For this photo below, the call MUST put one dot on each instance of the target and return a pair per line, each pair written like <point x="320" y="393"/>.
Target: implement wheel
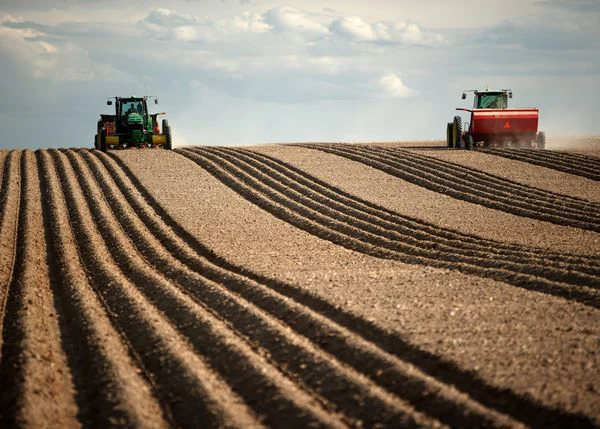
<point x="449" y="135"/>
<point x="541" y="140"/>
<point x="456" y="132"/>
<point x="468" y="141"/>
<point x="166" y="129"/>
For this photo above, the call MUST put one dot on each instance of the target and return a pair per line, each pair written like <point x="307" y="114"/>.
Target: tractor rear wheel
<point x="541" y="140"/>
<point x="166" y="129"/>
<point x="456" y="131"/>
<point x="468" y="141"/>
<point x="97" y="136"/>
<point x="449" y="135"/>
<point x="103" y="146"/>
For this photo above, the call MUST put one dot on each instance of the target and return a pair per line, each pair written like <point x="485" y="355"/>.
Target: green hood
<point x="134" y="118"/>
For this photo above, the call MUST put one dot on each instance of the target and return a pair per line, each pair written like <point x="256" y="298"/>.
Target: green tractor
<point x="132" y="126"/>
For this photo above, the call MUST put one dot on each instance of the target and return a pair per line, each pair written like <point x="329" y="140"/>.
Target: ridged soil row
<point x="459" y="185"/>
<point x="516" y="192"/>
<point x="316" y="319"/>
<point x="178" y="342"/>
<point x="307" y="362"/>
<point x="10" y="194"/>
<point x="339" y="228"/>
<point x="580" y="165"/>
<point x="428" y="235"/>
<point x="298" y="355"/>
<point x="198" y="292"/>
<point x="304" y="360"/>
<point x="111" y="386"/>
<point x="36" y="383"/>
<point x="512" y="188"/>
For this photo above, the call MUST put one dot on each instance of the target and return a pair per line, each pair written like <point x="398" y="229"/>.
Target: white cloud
<point x="247" y="22"/>
<point x="286" y="18"/>
<point x="357" y="29"/>
<point x="167" y="18"/>
<point x="392" y="85"/>
<point x="31" y="48"/>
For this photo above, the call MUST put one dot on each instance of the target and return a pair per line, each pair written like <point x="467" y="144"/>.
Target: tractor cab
<point x="130" y="113"/>
<point x="132" y="105"/>
<point x="490" y="99"/>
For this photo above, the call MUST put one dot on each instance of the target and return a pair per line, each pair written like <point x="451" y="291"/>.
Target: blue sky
<point x="234" y="72"/>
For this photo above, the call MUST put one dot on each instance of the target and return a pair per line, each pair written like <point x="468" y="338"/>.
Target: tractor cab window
<point x="491" y="101"/>
<point x="133" y="106"/>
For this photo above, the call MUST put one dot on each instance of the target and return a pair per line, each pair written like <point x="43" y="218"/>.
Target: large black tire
<point x="468" y="141"/>
<point x="103" y="145"/>
<point x="541" y="140"/>
<point x="456" y="132"/>
<point x="98" y="130"/>
<point x="166" y="129"/>
<point x="449" y="135"/>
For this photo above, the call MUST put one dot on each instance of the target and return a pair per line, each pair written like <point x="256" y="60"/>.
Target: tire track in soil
<point x="577" y="164"/>
<point x="182" y="380"/>
<point x="473" y="186"/>
<point x="325" y="223"/>
<point x="110" y="385"/>
<point x="36" y="387"/>
<point x="504" y="400"/>
<point x="359" y="398"/>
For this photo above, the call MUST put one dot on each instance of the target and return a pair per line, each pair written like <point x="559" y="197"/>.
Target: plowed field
<point x="307" y="285"/>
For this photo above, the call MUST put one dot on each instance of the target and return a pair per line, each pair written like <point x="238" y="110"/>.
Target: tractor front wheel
<point x="103" y="145"/>
<point x="541" y="140"/>
<point x="166" y="129"/>
<point x="456" y="132"/>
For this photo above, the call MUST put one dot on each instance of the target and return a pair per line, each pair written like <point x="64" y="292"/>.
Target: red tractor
<point x="494" y="124"/>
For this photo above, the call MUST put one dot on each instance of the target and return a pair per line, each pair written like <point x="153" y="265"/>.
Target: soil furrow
<point x="36" y="384"/>
<point x="482" y="184"/>
<point x="465" y="193"/>
<point x="521" y="407"/>
<point x="322" y="376"/>
<point x="182" y="381"/>
<point x="486" y="180"/>
<point x="308" y="196"/>
<point x="349" y="236"/>
<point x="233" y="346"/>
<point x="109" y="388"/>
<point x="565" y="158"/>
<point x="212" y="299"/>
<point x="10" y="193"/>
<point x="420" y="229"/>
<point x="574" y="167"/>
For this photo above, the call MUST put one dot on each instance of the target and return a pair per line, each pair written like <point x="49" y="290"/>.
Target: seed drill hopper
<point x="132" y="126"/>
<point x="493" y="123"/>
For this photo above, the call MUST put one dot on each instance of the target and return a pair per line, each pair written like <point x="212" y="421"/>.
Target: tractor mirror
<point x="109" y="103"/>
<point x="156" y="101"/>
<point x="464" y="96"/>
<point x="510" y="94"/>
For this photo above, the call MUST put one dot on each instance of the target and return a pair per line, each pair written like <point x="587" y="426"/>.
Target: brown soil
<point x="297" y="286"/>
